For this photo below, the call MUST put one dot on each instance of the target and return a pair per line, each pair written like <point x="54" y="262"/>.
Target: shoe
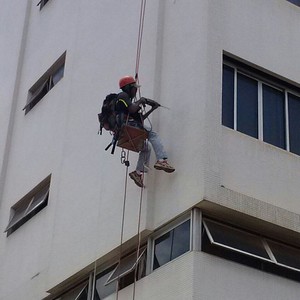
<point x="138" y="179"/>
<point x="163" y="165"/>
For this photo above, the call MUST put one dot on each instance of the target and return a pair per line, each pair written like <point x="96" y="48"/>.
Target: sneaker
<point x="163" y="165"/>
<point x="138" y="179"/>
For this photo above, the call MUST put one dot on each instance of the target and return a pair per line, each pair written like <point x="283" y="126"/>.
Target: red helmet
<point x="127" y="80"/>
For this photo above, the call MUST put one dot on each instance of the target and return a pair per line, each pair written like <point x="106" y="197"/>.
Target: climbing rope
<point x="140" y="38"/>
<point x="123" y="221"/>
<point x="125" y="160"/>
<point x="138" y="57"/>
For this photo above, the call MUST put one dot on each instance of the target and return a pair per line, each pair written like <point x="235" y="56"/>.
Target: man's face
<point x="133" y="91"/>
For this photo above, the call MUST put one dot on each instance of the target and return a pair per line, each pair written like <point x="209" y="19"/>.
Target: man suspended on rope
<point x="125" y="107"/>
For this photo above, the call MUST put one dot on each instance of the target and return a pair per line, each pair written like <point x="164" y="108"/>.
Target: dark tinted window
<point x="286" y="255"/>
<point x="274" y="116"/>
<point x="294" y="123"/>
<point x="235" y="239"/>
<point x="247" y="105"/>
<point x="172" y="244"/>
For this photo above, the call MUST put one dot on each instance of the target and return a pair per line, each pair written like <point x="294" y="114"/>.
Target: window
<point x="171" y="244"/>
<point x="102" y="289"/>
<point x="250" y="249"/>
<point x="260" y="105"/>
<point x="216" y="238"/>
<point x="29" y="206"/>
<point x="235" y="239"/>
<point x="45" y="83"/>
<point x="42" y="3"/>
<point x="128" y="267"/>
<point x="294" y="123"/>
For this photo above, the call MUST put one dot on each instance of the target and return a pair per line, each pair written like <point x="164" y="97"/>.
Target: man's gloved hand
<point x="152" y="103"/>
<point x="142" y="101"/>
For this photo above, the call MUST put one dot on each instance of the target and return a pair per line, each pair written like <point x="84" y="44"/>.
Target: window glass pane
<point x="274" y="116"/>
<point x="181" y="239"/>
<point x="39" y="198"/>
<point x="18" y="213"/>
<point x="29" y="206"/>
<point x="58" y="75"/>
<point x="126" y="265"/>
<point x="83" y="295"/>
<point x="235" y="239"/>
<point x="102" y="290"/>
<point x="37" y="95"/>
<point x="247" y="105"/>
<point x="162" y="249"/>
<point x="294" y="123"/>
<point x="286" y="255"/>
<point x="228" y="97"/>
<point x="172" y="244"/>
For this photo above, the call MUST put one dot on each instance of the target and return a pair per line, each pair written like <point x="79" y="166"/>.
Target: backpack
<point x="107" y="117"/>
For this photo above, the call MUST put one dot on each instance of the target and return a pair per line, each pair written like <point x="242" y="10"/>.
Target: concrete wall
<point x="181" y="67"/>
<point x="265" y="34"/>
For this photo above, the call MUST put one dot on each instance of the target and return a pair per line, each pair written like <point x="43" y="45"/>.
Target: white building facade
<point x="224" y="225"/>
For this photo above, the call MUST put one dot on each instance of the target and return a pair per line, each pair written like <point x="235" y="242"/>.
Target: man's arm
<point x="154" y="105"/>
<point x="136" y="106"/>
<point x="124" y="103"/>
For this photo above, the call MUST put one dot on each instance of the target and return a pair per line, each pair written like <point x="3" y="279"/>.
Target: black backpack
<point x="107" y="117"/>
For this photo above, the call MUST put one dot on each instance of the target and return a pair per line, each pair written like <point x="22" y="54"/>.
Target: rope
<point x="138" y="57"/>
<point x="140" y="38"/>
<point x="123" y="221"/>
<point x="139" y="239"/>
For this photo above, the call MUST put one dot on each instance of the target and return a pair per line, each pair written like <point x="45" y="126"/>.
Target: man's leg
<point x="142" y="165"/>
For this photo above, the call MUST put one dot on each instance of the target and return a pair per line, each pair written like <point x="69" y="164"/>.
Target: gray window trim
<point x="286" y="89"/>
<point x="133" y="262"/>
<point x="265" y="243"/>
<point x="45" y="83"/>
<point x="212" y="241"/>
<point x="26" y="202"/>
<point x="166" y="229"/>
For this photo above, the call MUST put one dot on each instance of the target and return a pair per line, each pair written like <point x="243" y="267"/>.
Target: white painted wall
<point x="180" y="67"/>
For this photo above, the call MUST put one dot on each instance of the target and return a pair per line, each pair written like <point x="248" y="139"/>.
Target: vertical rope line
<point x="138" y="56"/>
<point x="123" y="221"/>
<point x="140" y="37"/>
<point x="139" y="240"/>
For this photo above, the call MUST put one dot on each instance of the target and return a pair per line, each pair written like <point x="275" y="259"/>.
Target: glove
<point x="143" y="101"/>
<point x="152" y="103"/>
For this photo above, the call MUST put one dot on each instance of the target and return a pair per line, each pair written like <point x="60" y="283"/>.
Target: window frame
<point x="270" y="265"/>
<point x="236" y="249"/>
<point x="263" y="79"/>
<point x="27" y="211"/>
<point x="132" y="265"/>
<point x="45" y="83"/>
<point x="104" y="272"/>
<point x="162" y="232"/>
<point x="198" y="243"/>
